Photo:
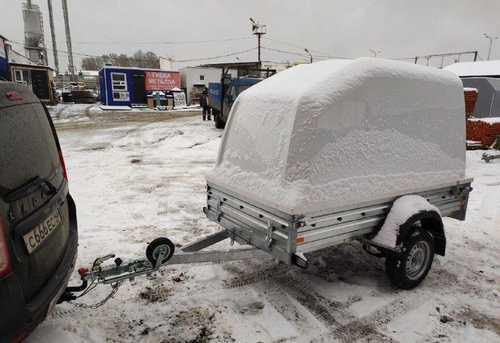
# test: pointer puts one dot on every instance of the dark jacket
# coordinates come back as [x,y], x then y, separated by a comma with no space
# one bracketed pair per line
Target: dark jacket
[203,100]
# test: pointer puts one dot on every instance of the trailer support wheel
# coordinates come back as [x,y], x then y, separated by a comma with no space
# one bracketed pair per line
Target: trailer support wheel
[158,246]
[409,268]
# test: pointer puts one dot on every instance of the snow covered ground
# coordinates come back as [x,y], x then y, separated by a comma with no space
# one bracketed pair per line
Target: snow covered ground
[70,116]
[134,181]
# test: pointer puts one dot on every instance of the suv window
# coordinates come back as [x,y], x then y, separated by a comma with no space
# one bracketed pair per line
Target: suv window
[27,145]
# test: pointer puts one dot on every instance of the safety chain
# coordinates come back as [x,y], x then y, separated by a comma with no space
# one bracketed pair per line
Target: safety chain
[114,290]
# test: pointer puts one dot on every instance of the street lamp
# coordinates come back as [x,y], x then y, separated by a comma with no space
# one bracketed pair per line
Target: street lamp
[310,55]
[492,40]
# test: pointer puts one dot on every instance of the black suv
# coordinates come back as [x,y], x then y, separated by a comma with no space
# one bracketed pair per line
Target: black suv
[38,230]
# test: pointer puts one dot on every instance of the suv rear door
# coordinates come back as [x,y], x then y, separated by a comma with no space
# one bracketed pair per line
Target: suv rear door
[33,189]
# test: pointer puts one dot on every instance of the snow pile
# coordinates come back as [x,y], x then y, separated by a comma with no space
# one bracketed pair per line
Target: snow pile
[489,120]
[334,133]
[471,89]
[402,209]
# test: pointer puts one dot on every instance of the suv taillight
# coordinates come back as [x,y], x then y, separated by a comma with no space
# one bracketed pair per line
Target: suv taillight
[5,267]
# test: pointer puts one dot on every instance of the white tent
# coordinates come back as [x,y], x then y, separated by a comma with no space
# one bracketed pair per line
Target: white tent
[335,133]
[480,68]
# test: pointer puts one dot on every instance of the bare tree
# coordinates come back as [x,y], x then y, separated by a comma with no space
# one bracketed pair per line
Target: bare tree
[139,59]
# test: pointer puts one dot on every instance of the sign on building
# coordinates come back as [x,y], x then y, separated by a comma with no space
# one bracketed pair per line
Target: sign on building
[162,81]
[179,99]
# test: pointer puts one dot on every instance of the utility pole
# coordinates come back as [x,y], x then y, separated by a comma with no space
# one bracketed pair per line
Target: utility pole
[71,66]
[310,55]
[258,30]
[492,41]
[53,35]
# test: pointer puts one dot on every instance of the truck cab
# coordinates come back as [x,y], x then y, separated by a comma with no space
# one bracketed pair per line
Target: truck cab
[222,95]
[221,101]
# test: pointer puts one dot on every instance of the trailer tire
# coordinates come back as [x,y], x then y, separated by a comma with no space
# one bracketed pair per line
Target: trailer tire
[409,268]
[156,246]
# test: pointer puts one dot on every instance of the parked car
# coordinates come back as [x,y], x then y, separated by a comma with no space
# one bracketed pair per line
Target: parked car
[38,228]
[80,96]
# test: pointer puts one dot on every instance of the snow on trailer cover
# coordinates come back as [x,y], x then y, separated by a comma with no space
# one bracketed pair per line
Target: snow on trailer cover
[337,141]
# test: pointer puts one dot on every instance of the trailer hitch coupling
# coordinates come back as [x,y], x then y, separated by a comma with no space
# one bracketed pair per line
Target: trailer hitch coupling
[159,253]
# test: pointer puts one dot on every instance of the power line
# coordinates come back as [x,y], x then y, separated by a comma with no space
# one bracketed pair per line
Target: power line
[61,51]
[215,57]
[303,55]
[294,45]
[176,61]
[285,43]
[167,42]
[284,51]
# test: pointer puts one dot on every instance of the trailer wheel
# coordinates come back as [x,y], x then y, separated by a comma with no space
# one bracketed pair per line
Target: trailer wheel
[408,269]
[158,246]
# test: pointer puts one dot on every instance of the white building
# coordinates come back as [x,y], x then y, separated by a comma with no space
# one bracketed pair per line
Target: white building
[195,79]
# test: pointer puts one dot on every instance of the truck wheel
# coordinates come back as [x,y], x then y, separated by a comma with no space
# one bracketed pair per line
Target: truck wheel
[219,123]
[157,246]
[408,269]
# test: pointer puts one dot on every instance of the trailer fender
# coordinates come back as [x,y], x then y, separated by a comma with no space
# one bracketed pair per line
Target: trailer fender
[406,213]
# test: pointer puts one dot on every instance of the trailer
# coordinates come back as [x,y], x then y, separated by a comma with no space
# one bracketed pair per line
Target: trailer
[326,153]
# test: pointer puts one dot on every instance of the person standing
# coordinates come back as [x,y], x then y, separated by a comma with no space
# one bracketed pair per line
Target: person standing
[204,105]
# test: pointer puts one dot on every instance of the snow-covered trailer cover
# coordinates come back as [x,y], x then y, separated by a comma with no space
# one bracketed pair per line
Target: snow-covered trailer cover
[337,133]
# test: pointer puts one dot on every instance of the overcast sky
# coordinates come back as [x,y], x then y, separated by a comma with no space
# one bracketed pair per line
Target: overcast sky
[327,27]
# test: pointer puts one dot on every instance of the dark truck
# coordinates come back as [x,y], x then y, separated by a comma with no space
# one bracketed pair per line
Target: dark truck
[221,95]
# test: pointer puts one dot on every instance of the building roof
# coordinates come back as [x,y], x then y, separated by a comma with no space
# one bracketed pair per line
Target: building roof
[234,65]
[198,68]
[31,66]
[481,68]
[137,68]
[16,58]
[90,73]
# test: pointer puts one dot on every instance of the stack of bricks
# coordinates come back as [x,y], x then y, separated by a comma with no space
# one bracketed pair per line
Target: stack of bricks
[470,95]
[482,131]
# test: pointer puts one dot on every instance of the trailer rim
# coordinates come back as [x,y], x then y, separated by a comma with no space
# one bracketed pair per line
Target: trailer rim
[417,260]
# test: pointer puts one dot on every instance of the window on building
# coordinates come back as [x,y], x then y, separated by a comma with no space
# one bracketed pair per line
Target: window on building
[121,96]
[22,76]
[119,82]
[202,77]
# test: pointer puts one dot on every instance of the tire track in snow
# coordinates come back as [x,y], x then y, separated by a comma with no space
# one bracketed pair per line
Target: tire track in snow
[257,276]
[332,313]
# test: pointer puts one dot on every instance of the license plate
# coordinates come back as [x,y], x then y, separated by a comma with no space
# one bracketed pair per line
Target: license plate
[41,232]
